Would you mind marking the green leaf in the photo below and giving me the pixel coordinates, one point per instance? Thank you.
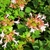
(20, 26)
(41, 43)
(21, 14)
(0, 29)
(34, 11)
(48, 1)
(48, 31)
(1, 18)
(9, 28)
(36, 48)
(41, 48)
(11, 17)
(28, 10)
(8, 12)
(25, 35)
(35, 3)
(16, 13)
(36, 34)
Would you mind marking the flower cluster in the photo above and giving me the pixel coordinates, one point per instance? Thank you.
(6, 22)
(37, 22)
(5, 38)
(8, 38)
(19, 3)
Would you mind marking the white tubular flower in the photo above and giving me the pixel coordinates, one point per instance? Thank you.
(16, 42)
(43, 17)
(31, 14)
(2, 35)
(32, 30)
(21, 7)
(39, 15)
(43, 28)
(46, 24)
(4, 45)
(17, 33)
(7, 15)
(13, 1)
(1, 41)
(17, 22)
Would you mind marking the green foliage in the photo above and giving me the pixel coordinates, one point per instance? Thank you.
(48, 2)
(36, 34)
(38, 40)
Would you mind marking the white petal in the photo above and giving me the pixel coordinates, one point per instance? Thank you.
(1, 41)
(31, 14)
(17, 33)
(13, 1)
(4, 45)
(43, 17)
(17, 22)
(2, 35)
(32, 30)
(7, 15)
(21, 7)
(43, 28)
(16, 42)
(46, 24)
(39, 15)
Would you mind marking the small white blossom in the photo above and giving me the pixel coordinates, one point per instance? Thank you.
(17, 33)
(16, 42)
(46, 24)
(7, 15)
(2, 35)
(13, 1)
(17, 22)
(21, 7)
(43, 17)
(4, 45)
(43, 28)
(32, 30)
(1, 41)
(31, 14)
(39, 15)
